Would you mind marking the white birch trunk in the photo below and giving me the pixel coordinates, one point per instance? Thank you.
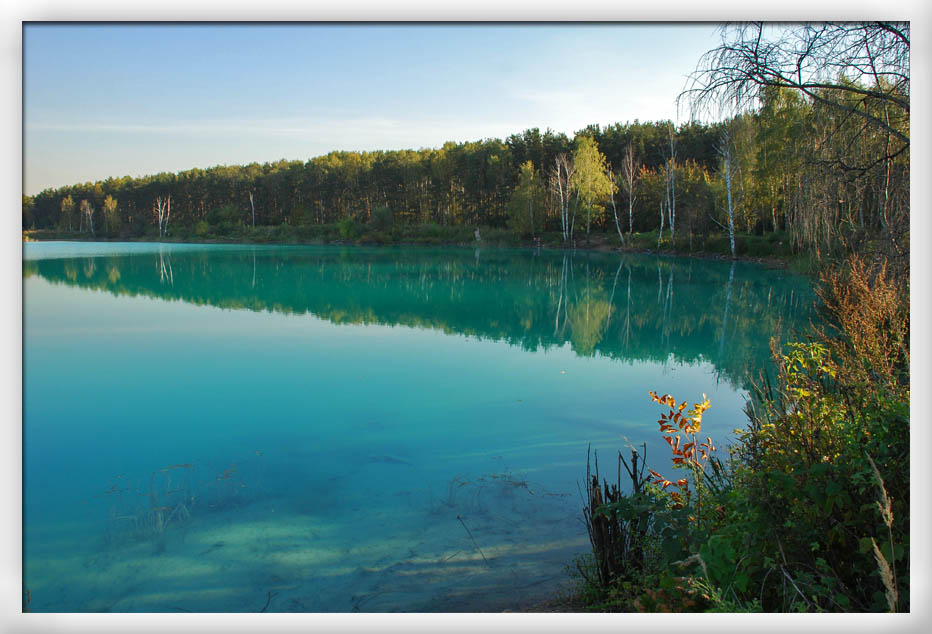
(672, 207)
(728, 170)
(629, 174)
(163, 210)
(611, 177)
(660, 236)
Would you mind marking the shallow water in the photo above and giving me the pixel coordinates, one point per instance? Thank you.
(237, 428)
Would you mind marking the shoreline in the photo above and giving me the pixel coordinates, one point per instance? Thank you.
(771, 261)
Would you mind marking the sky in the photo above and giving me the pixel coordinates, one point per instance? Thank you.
(105, 100)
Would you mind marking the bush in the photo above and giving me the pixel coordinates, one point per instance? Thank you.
(226, 219)
(201, 229)
(375, 237)
(382, 218)
(283, 233)
(347, 229)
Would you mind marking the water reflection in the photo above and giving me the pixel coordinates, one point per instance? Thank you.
(336, 468)
(628, 307)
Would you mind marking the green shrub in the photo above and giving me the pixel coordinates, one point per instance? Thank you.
(283, 233)
(382, 218)
(347, 229)
(226, 219)
(201, 229)
(375, 237)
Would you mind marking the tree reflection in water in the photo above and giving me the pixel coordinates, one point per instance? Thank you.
(660, 308)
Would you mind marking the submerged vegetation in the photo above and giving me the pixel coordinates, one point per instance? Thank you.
(147, 510)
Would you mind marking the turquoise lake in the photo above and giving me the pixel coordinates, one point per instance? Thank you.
(235, 428)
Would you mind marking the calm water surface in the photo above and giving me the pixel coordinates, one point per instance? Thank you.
(239, 428)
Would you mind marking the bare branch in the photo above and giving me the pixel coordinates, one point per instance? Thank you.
(829, 64)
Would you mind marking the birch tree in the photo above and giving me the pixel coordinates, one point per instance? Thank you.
(110, 216)
(660, 235)
(845, 66)
(67, 208)
(614, 188)
(87, 216)
(561, 176)
(590, 180)
(629, 175)
(670, 172)
(726, 155)
(162, 207)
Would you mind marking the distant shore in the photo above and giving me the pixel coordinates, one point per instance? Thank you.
(763, 250)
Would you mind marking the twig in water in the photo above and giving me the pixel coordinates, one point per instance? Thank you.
(472, 538)
(445, 559)
(268, 601)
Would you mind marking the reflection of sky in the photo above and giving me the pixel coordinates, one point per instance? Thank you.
(54, 250)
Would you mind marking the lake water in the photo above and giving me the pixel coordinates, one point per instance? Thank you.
(246, 428)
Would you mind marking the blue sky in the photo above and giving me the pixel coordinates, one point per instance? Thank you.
(114, 100)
